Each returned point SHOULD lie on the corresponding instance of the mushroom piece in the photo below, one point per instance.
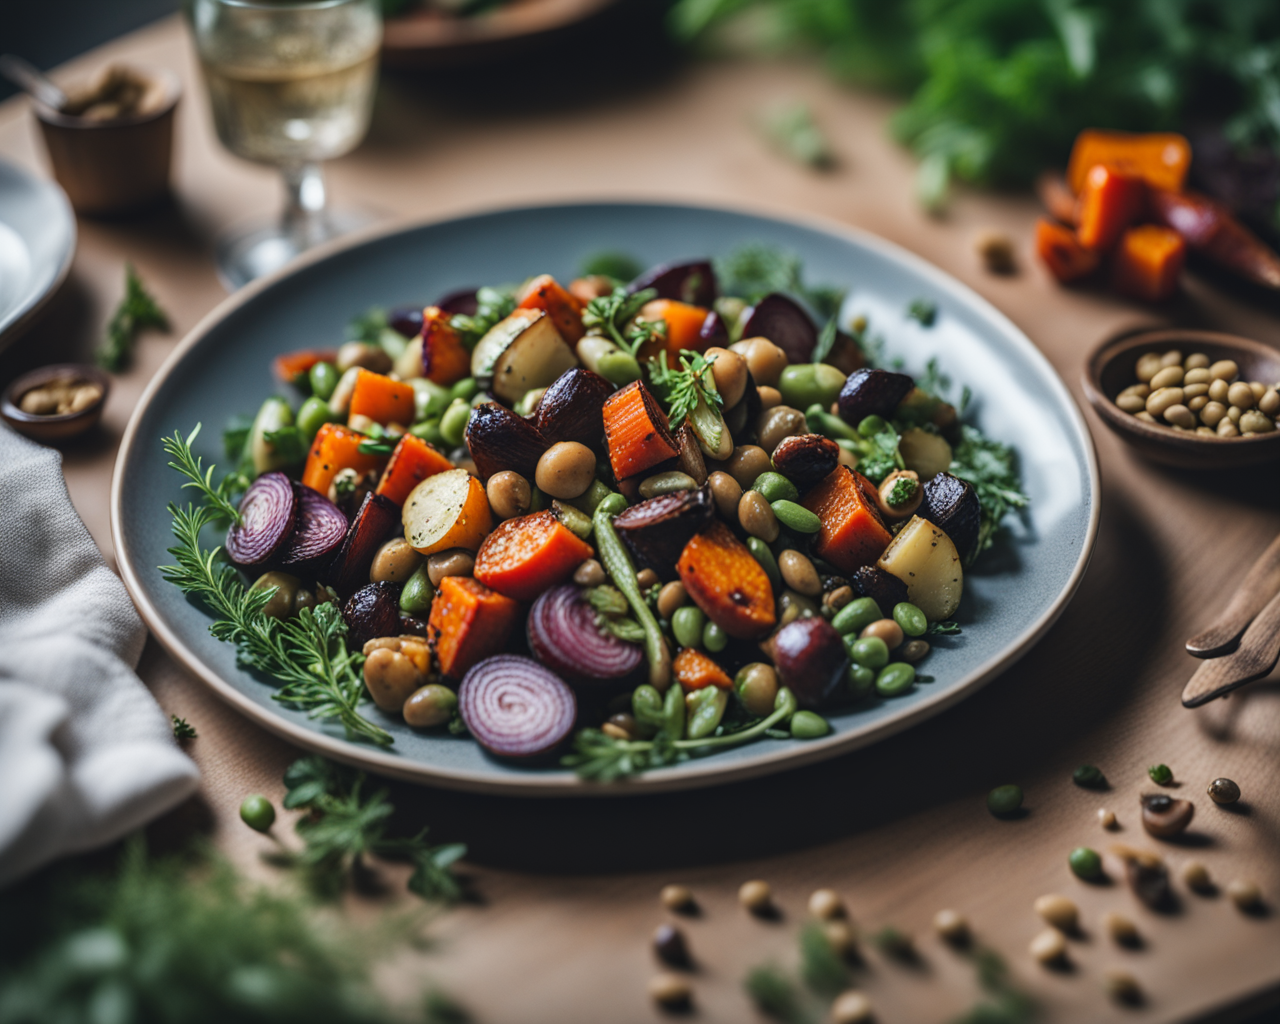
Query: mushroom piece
(1163, 816)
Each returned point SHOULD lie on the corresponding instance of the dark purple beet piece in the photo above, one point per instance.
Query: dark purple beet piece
(321, 529)
(657, 530)
(805, 459)
(713, 331)
(370, 526)
(810, 659)
(882, 587)
(498, 439)
(572, 409)
(784, 323)
(693, 282)
(562, 633)
(406, 320)
(371, 612)
(516, 708)
(951, 504)
(411, 625)
(462, 301)
(872, 393)
(744, 416)
(268, 515)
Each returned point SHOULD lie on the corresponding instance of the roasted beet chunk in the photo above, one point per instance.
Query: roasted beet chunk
(951, 504)
(372, 611)
(693, 282)
(810, 660)
(872, 392)
(883, 587)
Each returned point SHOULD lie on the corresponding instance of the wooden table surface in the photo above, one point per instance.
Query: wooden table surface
(570, 888)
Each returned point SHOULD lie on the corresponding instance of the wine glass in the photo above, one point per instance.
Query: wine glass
(291, 84)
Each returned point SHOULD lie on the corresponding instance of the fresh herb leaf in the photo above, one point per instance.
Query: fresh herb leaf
(902, 491)
(198, 477)
(791, 129)
(376, 446)
(288, 444)
(884, 456)
(821, 967)
(616, 265)
(137, 312)
(933, 380)
(235, 436)
(610, 314)
(947, 628)
(602, 758)
(777, 996)
(1007, 1003)
(992, 468)
(686, 388)
(368, 327)
(492, 305)
(923, 311)
(182, 729)
(826, 340)
(752, 271)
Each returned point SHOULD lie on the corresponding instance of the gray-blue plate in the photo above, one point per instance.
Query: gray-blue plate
(37, 241)
(1012, 596)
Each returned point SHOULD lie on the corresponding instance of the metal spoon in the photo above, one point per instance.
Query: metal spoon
(28, 77)
(1256, 656)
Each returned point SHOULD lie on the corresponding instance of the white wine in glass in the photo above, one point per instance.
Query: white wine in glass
(291, 84)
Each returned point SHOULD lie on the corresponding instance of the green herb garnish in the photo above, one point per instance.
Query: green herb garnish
(616, 265)
(923, 311)
(686, 387)
(611, 316)
(182, 729)
(777, 996)
(791, 129)
(199, 478)
(753, 271)
(947, 628)
(902, 491)
(992, 468)
(884, 456)
(1161, 774)
(137, 312)
(492, 305)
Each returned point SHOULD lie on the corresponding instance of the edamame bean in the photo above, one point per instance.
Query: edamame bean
(714, 639)
(870, 652)
(687, 624)
(895, 679)
(805, 384)
(428, 430)
(805, 725)
(313, 415)
(323, 378)
(453, 424)
(703, 710)
(775, 487)
(415, 598)
(256, 812)
(761, 553)
(1004, 801)
(871, 425)
(1085, 863)
(465, 389)
(910, 618)
(618, 368)
(856, 616)
(862, 680)
(795, 517)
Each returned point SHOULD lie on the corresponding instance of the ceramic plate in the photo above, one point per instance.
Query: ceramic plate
(37, 241)
(1012, 596)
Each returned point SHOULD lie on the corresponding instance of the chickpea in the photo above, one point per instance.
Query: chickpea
(826, 904)
(799, 574)
(840, 936)
(392, 675)
(671, 597)
(1234, 412)
(1170, 376)
(1049, 946)
(1148, 366)
(726, 493)
(1196, 361)
(730, 372)
(764, 359)
(1180, 416)
(1197, 403)
(590, 574)
(1058, 911)
(1195, 391)
(1226, 428)
(1218, 390)
(395, 562)
(839, 597)
(780, 422)
(851, 1007)
(566, 470)
(1244, 894)
(757, 517)
(769, 397)
(756, 896)
(1106, 818)
(1162, 399)
(1269, 402)
(1224, 369)
(1253, 422)
(456, 562)
(1145, 416)
(509, 494)
(1121, 986)
(361, 354)
(1258, 388)
(1120, 928)
(1134, 397)
(677, 897)
(1196, 876)
(885, 629)
(1206, 432)
(746, 463)
(1198, 376)
(670, 991)
(1241, 395)
(429, 706)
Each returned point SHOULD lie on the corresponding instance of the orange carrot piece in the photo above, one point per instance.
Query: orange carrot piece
(1147, 262)
(468, 623)
(1109, 202)
(1161, 159)
(684, 324)
(335, 448)
(1062, 252)
(444, 359)
(412, 462)
(382, 399)
(727, 583)
(565, 310)
(694, 670)
(529, 554)
(292, 365)
(852, 534)
(636, 431)
(1056, 197)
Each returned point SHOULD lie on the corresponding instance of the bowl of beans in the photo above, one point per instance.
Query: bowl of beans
(1187, 398)
(56, 403)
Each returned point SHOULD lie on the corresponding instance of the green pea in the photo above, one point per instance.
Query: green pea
(798, 386)
(862, 680)
(856, 616)
(1161, 774)
(686, 624)
(313, 415)
(429, 431)
(775, 487)
(415, 597)
(871, 425)
(323, 378)
(453, 424)
(910, 618)
(797, 517)
(895, 679)
(805, 725)
(761, 553)
(257, 812)
(1005, 801)
(619, 368)
(714, 639)
(429, 399)
(704, 708)
(1085, 863)
(465, 389)
(870, 651)
(1089, 777)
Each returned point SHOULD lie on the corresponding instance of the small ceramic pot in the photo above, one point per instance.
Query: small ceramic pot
(54, 428)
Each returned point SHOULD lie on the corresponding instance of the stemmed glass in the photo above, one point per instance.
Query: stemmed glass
(291, 84)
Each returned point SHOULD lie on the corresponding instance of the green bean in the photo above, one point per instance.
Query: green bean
(895, 679)
(687, 624)
(705, 708)
(822, 422)
(428, 430)
(871, 425)
(465, 389)
(796, 517)
(775, 487)
(805, 725)
(856, 616)
(761, 553)
(416, 596)
(573, 518)
(453, 424)
(714, 639)
(313, 415)
(910, 618)
(323, 378)
(617, 563)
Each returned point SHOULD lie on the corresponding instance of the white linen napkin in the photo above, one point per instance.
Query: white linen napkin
(86, 754)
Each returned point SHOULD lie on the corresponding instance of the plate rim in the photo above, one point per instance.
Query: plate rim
(13, 323)
(696, 773)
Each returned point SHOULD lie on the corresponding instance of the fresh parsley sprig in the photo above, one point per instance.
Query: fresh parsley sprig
(992, 468)
(182, 729)
(137, 312)
(683, 387)
(610, 314)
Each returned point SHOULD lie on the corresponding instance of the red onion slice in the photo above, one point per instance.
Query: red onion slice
(563, 635)
(320, 532)
(515, 707)
(268, 515)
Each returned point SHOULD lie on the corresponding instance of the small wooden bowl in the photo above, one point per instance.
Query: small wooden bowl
(51, 429)
(1110, 370)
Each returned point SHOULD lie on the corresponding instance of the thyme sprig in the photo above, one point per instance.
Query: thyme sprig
(682, 388)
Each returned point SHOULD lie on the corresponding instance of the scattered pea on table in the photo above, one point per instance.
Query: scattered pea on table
(257, 812)
(1085, 863)
(1089, 776)
(1161, 774)
(1004, 801)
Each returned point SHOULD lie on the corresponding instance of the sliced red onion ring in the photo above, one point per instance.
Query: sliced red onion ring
(515, 707)
(321, 529)
(268, 515)
(563, 635)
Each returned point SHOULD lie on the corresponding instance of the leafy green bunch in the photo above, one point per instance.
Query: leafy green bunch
(137, 312)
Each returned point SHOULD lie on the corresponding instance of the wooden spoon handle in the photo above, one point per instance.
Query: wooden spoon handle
(1256, 656)
(1259, 586)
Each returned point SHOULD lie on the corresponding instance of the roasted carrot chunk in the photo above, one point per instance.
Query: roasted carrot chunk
(382, 399)
(336, 448)
(727, 583)
(1161, 159)
(1062, 252)
(852, 534)
(529, 554)
(694, 670)
(683, 326)
(290, 366)
(444, 359)
(1109, 202)
(636, 431)
(412, 462)
(1147, 262)
(468, 623)
(565, 310)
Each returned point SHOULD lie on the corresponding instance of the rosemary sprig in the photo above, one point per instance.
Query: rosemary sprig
(190, 465)
(610, 314)
(137, 312)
